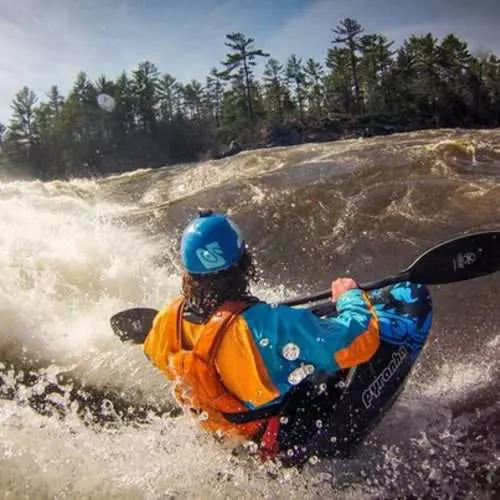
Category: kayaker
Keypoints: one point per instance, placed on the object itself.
(230, 353)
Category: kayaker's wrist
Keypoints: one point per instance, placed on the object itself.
(342, 285)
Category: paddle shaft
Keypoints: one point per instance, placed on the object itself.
(459, 259)
(369, 285)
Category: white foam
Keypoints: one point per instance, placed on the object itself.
(66, 268)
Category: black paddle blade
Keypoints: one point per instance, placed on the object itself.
(133, 324)
(458, 259)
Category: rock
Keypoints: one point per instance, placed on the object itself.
(233, 149)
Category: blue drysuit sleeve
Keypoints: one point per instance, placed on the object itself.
(289, 338)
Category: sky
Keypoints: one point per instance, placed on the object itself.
(46, 42)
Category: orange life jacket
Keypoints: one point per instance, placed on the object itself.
(198, 385)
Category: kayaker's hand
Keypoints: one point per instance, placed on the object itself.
(340, 286)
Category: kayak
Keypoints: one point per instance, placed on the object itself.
(328, 416)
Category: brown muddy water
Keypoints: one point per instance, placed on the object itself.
(84, 416)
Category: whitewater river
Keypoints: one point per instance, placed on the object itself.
(85, 416)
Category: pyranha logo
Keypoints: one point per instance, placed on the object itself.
(375, 388)
(211, 256)
(464, 259)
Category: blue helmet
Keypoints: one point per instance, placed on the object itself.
(211, 243)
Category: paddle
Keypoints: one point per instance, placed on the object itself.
(133, 324)
(458, 259)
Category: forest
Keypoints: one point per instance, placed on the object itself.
(365, 86)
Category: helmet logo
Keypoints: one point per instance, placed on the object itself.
(211, 256)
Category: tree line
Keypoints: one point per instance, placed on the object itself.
(364, 82)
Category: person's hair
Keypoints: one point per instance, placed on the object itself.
(207, 293)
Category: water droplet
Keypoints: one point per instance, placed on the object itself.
(106, 102)
(252, 447)
(284, 420)
(107, 405)
(264, 342)
(297, 376)
(319, 424)
(291, 351)
(322, 388)
(289, 452)
(313, 459)
(203, 416)
(333, 439)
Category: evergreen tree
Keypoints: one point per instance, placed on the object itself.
(144, 86)
(193, 97)
(239, 66)
(453, 59)
(214, 89)
(375, 62)
(21, 143)
(167, 92)
(296, 76)
(275, 91)
(348, 33)
(422, 54)
(314, 87)
(338, 82)
(123, 115)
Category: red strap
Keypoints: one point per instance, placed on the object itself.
(269, 441)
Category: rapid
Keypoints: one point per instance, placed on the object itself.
(83, 415)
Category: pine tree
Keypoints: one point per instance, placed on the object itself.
(144, 86)
(214, 89)
(22, 141)
(453, 59)
(239, 66)
(422, 55)
(314, 87)
(167, 91)
(348, 33)
(374, 63)
(275, 91)
(296, 76)
(338, 82)
(193, 97)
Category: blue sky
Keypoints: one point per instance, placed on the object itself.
(45, 42)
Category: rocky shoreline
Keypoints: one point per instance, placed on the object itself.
(326, 130)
